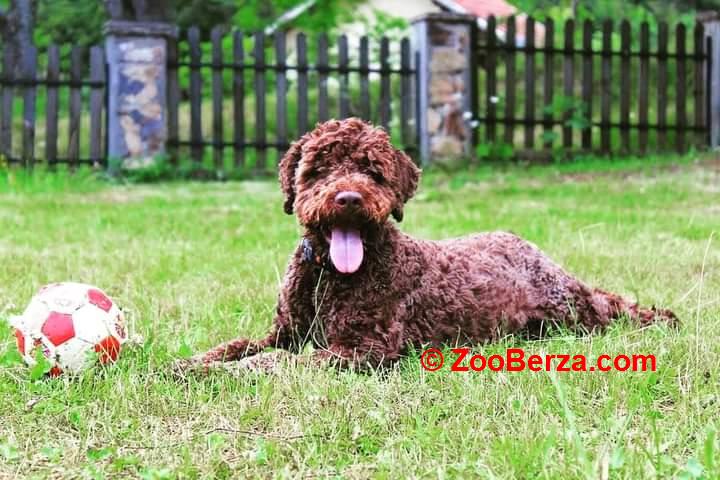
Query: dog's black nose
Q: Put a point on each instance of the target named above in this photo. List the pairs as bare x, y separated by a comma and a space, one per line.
348, 199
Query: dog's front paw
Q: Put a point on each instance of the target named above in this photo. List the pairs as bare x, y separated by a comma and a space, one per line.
266, 362
189, 366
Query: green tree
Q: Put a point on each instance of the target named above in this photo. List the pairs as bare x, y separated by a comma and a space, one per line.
80, 22
634, 10
315, 16
73, 22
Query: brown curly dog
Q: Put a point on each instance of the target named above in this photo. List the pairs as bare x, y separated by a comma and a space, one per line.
362, 293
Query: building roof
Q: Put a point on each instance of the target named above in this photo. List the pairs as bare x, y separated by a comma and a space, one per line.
482, 9
485, 8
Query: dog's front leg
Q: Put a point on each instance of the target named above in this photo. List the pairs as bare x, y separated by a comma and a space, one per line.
294, 315
237, 351
242, 347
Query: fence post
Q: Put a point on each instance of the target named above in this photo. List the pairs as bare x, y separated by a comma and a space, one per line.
444, 49
137, 99
711, 22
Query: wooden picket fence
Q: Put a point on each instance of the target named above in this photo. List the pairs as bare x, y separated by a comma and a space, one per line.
249, 95
638, 100
62, 95
237, 101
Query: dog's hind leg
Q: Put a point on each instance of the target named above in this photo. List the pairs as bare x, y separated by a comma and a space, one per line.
606, 306
236, 350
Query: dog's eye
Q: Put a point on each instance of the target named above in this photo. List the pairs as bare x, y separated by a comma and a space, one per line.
309, 174
377, 176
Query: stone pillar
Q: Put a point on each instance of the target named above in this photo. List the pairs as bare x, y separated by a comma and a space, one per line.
137, 65
443, 46
711, 23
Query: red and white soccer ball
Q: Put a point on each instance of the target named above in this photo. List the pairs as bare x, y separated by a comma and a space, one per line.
68, 321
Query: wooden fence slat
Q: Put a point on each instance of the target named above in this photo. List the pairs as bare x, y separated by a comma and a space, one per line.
548, 88
7, 107
662, 77
196, 136
699, 84
510, 81
587, 83
322, 69
606, 84
472, 87
97, 99
281, 90
343, 64
238, 100
406, 94
302, 83
681, 92
625, 43
568, 83
29, 72
365, 110
710, 113
529, 82
217, 96
260, 131
173, 104
52, 104
76, 56
385, 106
491, 80
644, 86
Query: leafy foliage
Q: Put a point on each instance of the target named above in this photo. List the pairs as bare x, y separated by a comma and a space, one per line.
635, 11
322, 16
80, 22
203, 13
495, 151
69, 22
571, 108
380, 24
41, 367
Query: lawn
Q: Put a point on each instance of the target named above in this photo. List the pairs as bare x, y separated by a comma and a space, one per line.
197, 263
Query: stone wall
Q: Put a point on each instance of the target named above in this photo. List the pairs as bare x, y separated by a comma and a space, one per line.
442, 43
137, 61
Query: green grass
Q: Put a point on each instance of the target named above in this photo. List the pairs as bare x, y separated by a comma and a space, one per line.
195, 264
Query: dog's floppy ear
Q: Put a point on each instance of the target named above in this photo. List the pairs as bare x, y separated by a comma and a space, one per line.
408, 176
286, 175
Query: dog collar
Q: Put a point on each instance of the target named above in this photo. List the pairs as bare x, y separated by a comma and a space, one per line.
309, 255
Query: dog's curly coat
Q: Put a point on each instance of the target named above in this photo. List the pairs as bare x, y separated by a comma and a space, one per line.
362, 292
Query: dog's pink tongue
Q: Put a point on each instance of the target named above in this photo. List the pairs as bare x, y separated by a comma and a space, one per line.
346, 249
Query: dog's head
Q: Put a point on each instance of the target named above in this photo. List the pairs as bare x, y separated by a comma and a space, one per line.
341, 180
